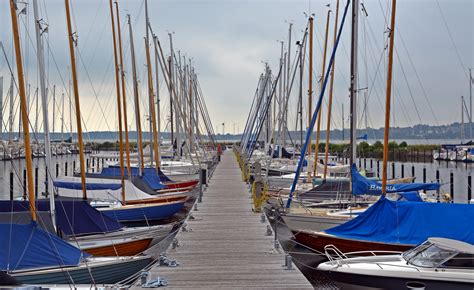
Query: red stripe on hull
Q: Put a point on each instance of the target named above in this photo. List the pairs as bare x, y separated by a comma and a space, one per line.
181, 184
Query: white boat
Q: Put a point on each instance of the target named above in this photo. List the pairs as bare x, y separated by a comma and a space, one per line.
438, 263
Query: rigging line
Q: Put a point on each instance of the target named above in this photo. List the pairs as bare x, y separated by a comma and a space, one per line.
93, 89
452, 40
425, 95
408, 85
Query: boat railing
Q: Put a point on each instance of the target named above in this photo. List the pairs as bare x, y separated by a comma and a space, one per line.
334, 255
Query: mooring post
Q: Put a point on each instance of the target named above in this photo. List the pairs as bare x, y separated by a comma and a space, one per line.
413, 172
451, 186
437, 180
202, 181
65, 168
469, 191
365, 163
424, 177
24, 184
36, 182
393, 170
73, 166
57, 169
371, 163
87, 165
11, 185
403, 170
378, 168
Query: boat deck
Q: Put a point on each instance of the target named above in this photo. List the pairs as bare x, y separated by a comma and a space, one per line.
226, 245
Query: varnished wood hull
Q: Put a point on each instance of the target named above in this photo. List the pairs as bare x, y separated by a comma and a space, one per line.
124, 249
317, 242
181, 184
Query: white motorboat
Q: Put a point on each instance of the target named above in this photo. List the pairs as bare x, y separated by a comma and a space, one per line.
438, 263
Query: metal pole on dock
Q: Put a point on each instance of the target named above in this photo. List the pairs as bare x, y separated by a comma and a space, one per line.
403, 170
413, 172
437, 180
11, 185
451, 186
469, 190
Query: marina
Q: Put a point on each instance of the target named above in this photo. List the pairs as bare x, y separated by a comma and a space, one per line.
175, 144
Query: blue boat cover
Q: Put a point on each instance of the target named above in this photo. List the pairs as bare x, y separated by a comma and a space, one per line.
115, 171
29, 247
89, 185
73, 217
410, 196
409, 223
362, 185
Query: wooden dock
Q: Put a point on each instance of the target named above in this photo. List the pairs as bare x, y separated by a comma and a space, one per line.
225, 245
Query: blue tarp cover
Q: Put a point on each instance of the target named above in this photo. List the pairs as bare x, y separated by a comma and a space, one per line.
115, 171
410, 196
409, 223
89, 185
362, 185
72, 216
29, 247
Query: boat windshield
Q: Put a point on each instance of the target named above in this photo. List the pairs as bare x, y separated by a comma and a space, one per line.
428, 255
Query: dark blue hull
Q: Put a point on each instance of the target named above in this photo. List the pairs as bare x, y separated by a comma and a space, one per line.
145, 213
109, 273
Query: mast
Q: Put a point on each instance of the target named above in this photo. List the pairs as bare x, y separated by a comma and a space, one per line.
24, 114
462, 119
300, 94
44, 104
119, 102
158, 115
353, 79
62, 118
141, 168
76, 101
310, 91
171, 83
331, 87
470, 103
280, 96
10, 117
150, 90
124, 95
54, 107
151, 96
388, 98
320, 113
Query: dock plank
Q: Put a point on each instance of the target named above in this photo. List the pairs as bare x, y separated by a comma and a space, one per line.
226, 245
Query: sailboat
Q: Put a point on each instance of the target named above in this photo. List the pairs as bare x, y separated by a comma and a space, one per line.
33, 256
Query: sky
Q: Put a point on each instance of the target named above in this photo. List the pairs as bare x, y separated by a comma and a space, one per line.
229, 42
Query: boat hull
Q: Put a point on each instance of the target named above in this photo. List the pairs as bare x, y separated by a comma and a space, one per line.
181, 184
296, 223
131, 248
390, 283
317, 242
103, 273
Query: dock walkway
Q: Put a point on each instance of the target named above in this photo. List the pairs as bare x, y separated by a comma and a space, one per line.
226, 245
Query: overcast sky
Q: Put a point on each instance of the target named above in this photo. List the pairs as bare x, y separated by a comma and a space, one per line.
229, 41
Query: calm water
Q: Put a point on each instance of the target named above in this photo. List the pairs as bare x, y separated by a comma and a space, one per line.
460, 172
18, 166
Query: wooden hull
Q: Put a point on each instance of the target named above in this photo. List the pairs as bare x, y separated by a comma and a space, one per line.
109, 272
181, 184
124, 249
317, 241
